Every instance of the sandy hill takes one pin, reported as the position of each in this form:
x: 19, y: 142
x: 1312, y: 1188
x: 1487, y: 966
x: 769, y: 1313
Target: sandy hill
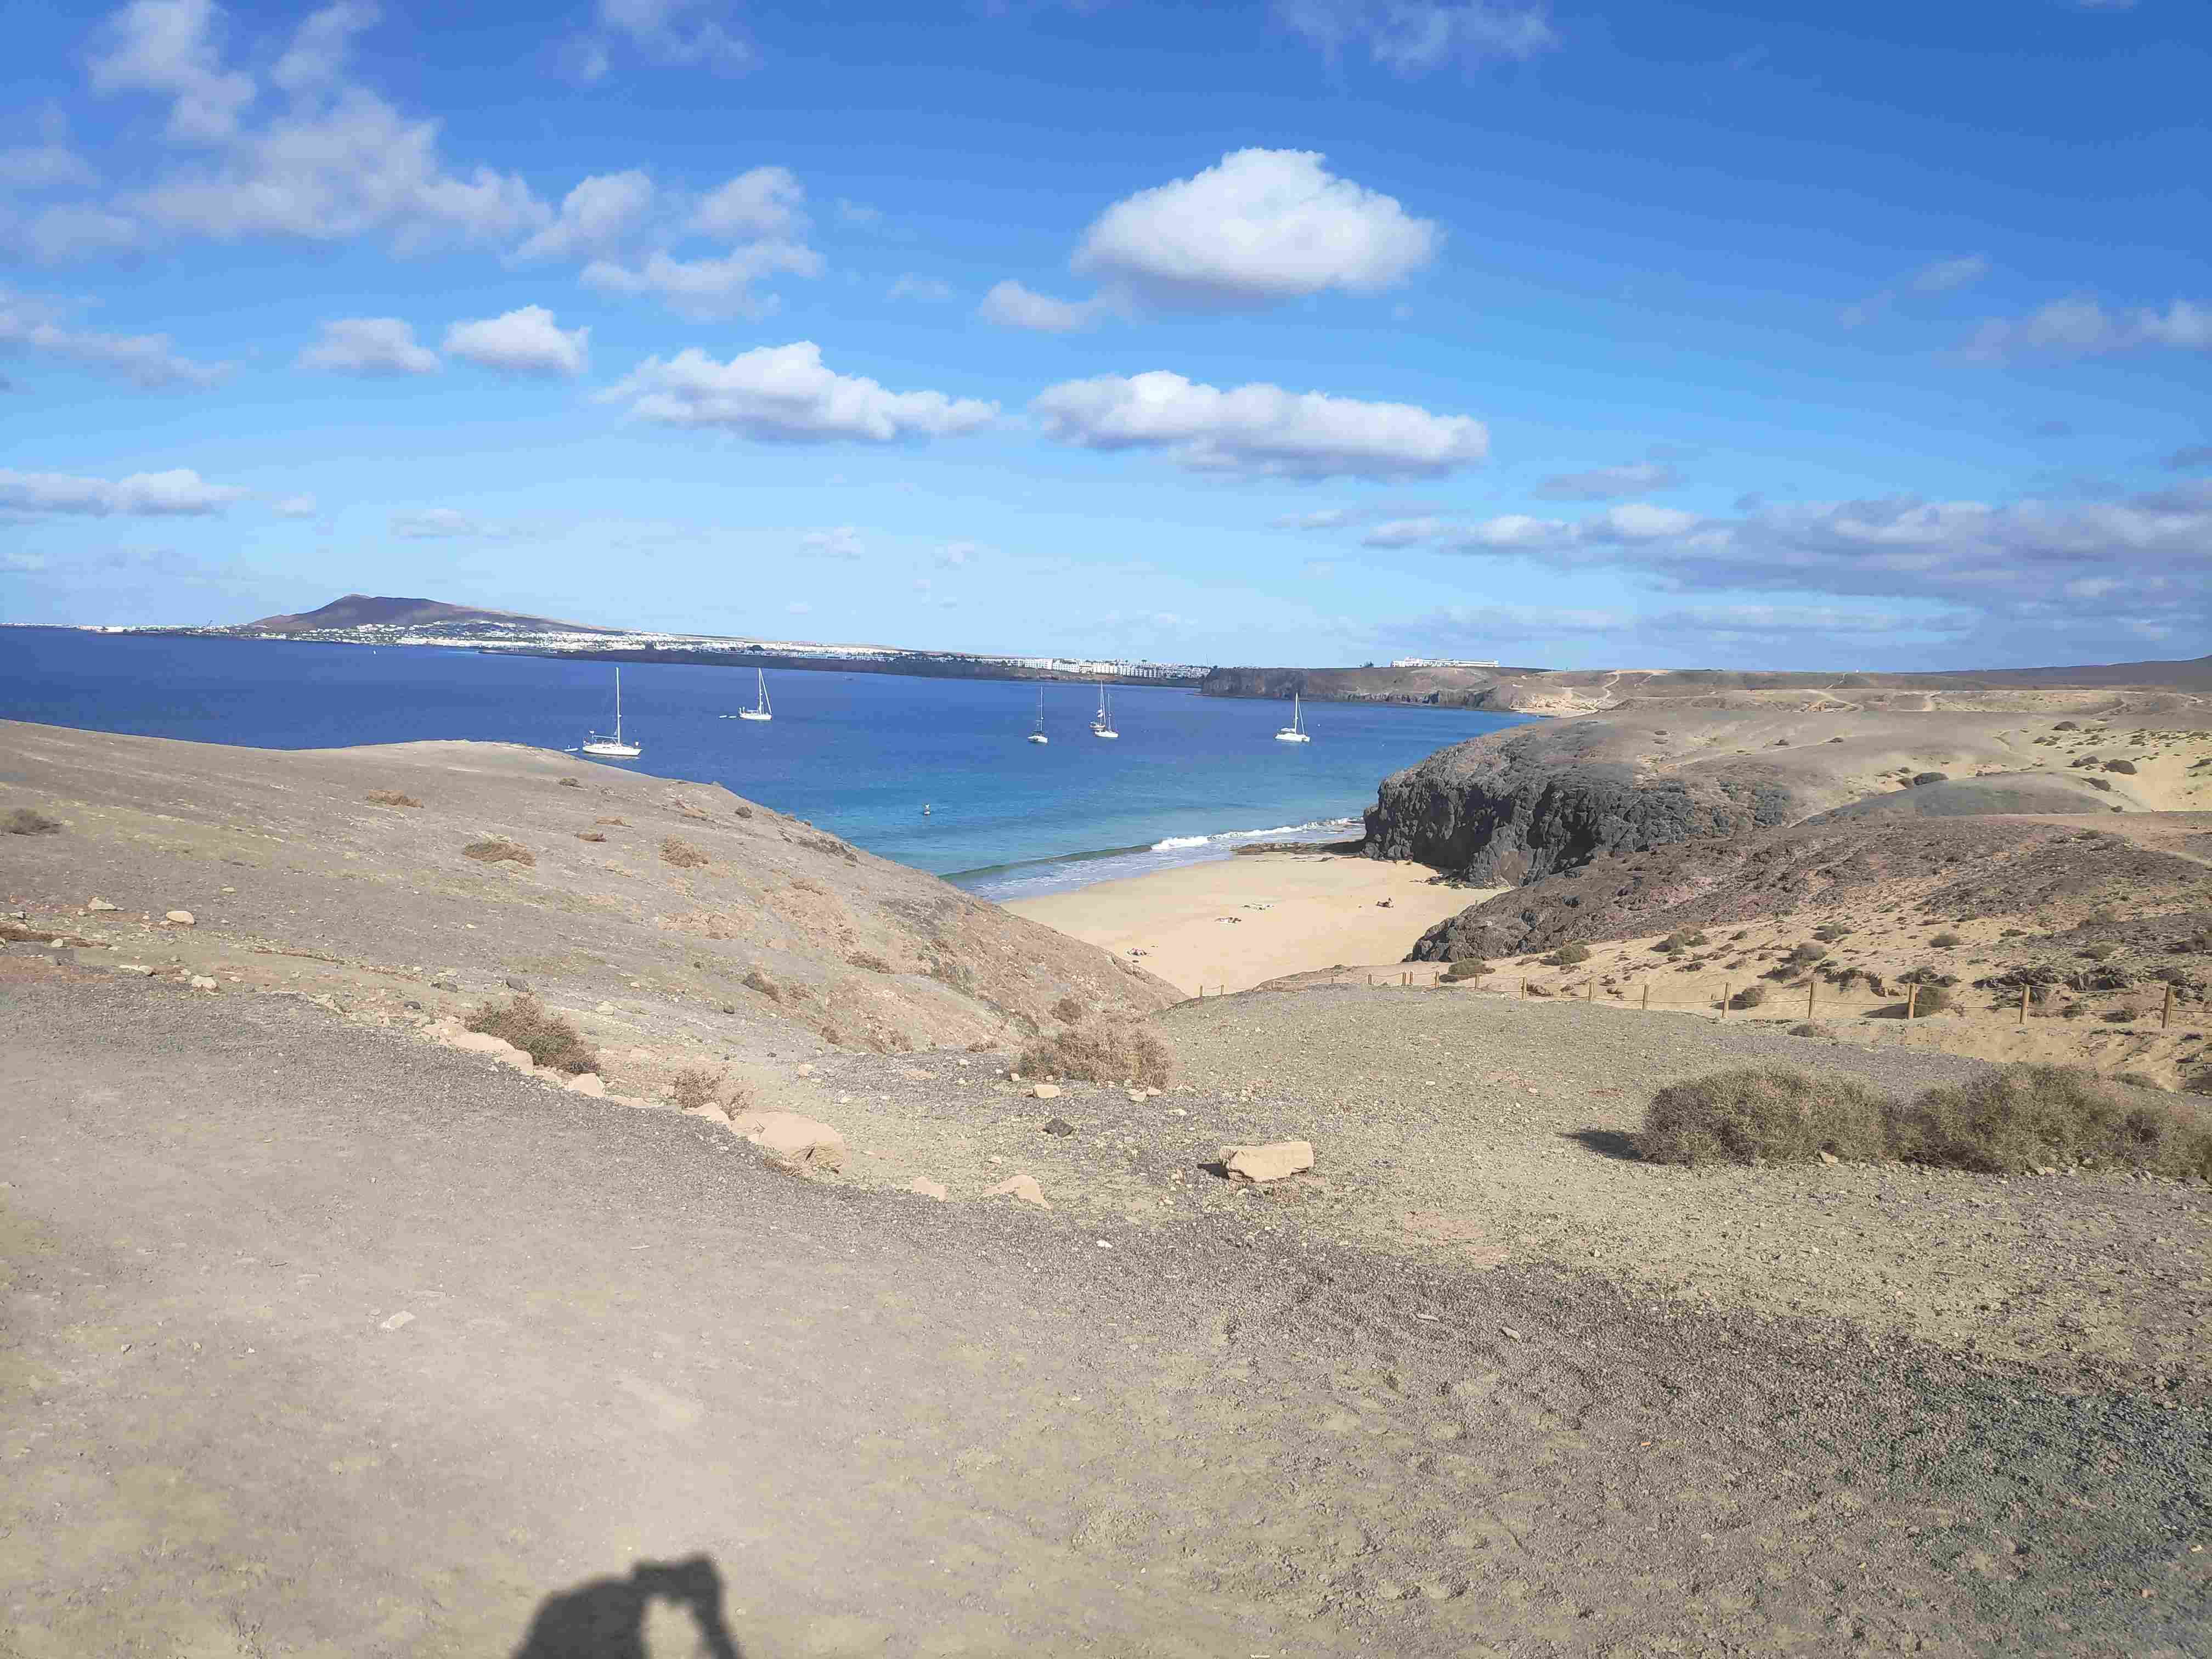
x: 673, y: 920
x: 367, y: 610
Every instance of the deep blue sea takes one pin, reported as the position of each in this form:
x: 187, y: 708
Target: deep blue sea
x: 1190, y: 777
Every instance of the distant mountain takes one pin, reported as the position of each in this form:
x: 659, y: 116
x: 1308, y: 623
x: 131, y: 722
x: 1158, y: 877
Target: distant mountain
x: 365, y: 610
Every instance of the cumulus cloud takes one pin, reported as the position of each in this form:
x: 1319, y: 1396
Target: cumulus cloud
x: 295, y: 507
x: 1259, y: 430
x: 2080, y: 326
x: 1404, y: 532
x: 178, y: 492
x: 841, y: 542
x: 599, y: 215
x: 1937, y: 277
x: 765, y: 201
x: 51, y: 165
x: 681, y: 33
x: 146, y: 360
x: 165, y: 47
x: 1412, y: 37
x: 372, y: 347
x: 1605, y: 482
x: 1012, y: 306
x: 523, y: 342
x: 1259, y: 228
x: 786, y: 394
x: 442, y: 523
x: 1327, y: 518
x: 708, y: 289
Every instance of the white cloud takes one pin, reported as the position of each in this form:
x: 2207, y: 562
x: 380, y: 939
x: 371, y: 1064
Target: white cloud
x: 859, y: 216
x: 1327, y: 518
x: 1415, y: 36
x: 786, y: 394
x: 956, y: 556
x: 525, y: 341
x: 49, y: 165
x: 1937, y: 277
x: 1603, y: 483
x: 319, y: 46
x: 761, y: 202
x: 927, y: 289
x: 164, y: 48
x: 2080, y: 326
x: 1259, y: 228
x: 144, y: 359
x: 295, y: 507
x: 1404, y: 532
x: 686, y: 33
x: 54, y: 235
x: 1259, y: 430
x: 442, y: 523
x: 180, y: 491
x: 369, y: 346
x: 1012, y: 306
x: 599, y: 215
x: 709, y: 290
x: 799, y: 608
x: 841, y: 542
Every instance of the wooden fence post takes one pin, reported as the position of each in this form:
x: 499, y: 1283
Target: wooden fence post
x: 1647, y: 996
x: 1912, y: 1000
x: 1589, y: 992
x: 2023, y: 1004
x: 1524, y: 987
x: 2166, y: 1014
x: 1812, y: 984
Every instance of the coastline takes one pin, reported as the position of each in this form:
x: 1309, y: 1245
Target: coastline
x: 1237, y: 922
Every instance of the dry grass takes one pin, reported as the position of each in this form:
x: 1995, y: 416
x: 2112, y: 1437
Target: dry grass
x: 756, y: 980
x: 23, y: 821
x: 1069, y: 1012
x: 591, y: 834
x: 571, y: 783
x: 695, y: 1086
x: 390, y: 798
x: 681, y: 853
x: 868, y: 962
x: 547, y: 1038
x: 1102, y: 1051
x: 499, y: 850
x: 622, y: 822
x: 1773, y: 1112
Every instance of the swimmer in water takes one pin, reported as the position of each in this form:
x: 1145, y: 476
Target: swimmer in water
x: 925, y: 809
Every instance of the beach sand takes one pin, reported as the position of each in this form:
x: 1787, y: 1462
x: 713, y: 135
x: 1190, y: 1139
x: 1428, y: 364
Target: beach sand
x: 1204, y: 924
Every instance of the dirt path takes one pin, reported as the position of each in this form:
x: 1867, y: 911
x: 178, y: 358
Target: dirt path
x: 848, y: 1424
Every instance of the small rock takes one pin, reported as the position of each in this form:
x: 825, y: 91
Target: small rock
x: 182, y: 918
x: 1046, y: 1091
x: 1509, y: 1332
x: 790, y: 1136
x: 202, y: 982
x: 1830, y: 1157
x: 102, y: 905
x: 1272, y: 1161
x: 520, y: 984
x: 1023, y: 1186
x: 923, y: 1187
x: 442, y: 984
x: 1057, y: 1126
x: 587, y: 1082
x: 397, y: 1321
x: 132, y: 968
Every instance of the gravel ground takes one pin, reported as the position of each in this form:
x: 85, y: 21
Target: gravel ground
x: 896, y: 1427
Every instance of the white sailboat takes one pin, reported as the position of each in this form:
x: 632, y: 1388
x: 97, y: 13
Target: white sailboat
x: 759, y: 711
x: 1295, y: 730
x: 1102, y: 725
x: 613, y: 746
x: 1038, y: 735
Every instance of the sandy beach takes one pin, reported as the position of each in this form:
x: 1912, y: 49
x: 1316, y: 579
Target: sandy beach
x: 1241, y: 921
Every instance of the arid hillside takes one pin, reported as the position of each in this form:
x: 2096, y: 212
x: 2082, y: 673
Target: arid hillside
x: 672, y: 921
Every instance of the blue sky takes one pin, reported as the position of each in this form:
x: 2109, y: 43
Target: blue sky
x: 1293, y: 331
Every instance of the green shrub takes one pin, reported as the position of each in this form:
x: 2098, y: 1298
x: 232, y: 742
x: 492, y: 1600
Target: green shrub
x: 1569, y: 956
x: 1467, y: 968
x: 1929, y: 999
x: 2025, y: 1117
x: 547, y: 1038
x: 1774, y: 1112
x: 1102, y: 1051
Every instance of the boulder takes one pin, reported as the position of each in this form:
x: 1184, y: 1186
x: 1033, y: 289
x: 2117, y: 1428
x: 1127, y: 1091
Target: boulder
x: 182, y: 918
x: 1274, y: 1160
x: 480, y: 1043
x: 202, y: 982
x: 1046, y: 1091
x: 1023, y: 1187
x: 796, y: 1139
x: 587, y: 1082
x: 102, y: 905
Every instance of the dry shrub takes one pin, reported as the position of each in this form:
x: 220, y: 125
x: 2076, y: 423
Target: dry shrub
x: 621, y: 822
x: 572, y: 783
x: 756, y: 980
x: 1750, y: 997
x: 2033, y: 1117
x: 390, y: 798
x: 547, y: 1038
x: 1773, y: 1112
x: 1569, y: 956
x: 695, y: 1086
x: 1102, y: 1051
x: 1947, y: 941
x: 681, y: 853
x: 1929, y: 1000
x: 1069, y: 1012
x: 591, y: 834
x: 22, y: 821
x: 1831, y: 933
x: 499, y: 850
x: 868, y: 960
x: 1467, y: 968
x: 2099, y: 953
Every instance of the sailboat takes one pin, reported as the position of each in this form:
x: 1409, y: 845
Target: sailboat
x: 1295, y: 730
x: 597, y: 744
x: 1102, y: 725
x: 1038, y: 735
x: 759, y: 711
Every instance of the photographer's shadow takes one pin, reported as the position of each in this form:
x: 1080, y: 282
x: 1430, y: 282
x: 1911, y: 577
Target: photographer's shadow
x: 605, y: 1618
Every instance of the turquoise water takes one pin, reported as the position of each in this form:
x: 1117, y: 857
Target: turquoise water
x: 1190, y: 777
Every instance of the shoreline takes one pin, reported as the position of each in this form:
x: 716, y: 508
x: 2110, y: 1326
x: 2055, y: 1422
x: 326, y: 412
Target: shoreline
x: 1237, y: 922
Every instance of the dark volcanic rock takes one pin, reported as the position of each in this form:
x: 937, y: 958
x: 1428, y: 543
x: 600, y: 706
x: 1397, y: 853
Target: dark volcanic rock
x: 1513, y: 806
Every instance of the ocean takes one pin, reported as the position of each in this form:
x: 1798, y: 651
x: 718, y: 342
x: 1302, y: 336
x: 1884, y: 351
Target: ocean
x: 1190, y: 778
